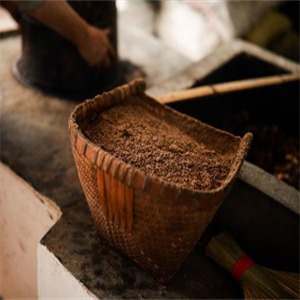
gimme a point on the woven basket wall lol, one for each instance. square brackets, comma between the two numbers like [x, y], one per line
[153, 222]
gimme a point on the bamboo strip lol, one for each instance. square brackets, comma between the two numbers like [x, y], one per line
[290, 77]
[121, 204]
[129, 208]
[226, 87]
[101, 191]
[107, 180]
[114, 199]
[241, 85]
[186, 94]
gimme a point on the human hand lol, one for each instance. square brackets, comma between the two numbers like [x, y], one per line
[92, 42]
[95, 47]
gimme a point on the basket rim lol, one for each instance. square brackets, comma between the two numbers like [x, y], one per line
[103, 159]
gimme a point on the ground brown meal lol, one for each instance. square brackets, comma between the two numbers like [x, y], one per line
[141, 139]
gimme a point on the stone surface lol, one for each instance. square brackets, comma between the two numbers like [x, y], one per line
[55, 281]
[108, 274]
[25, 108]
[157, 60]
[34, 143]
[190, 76]
[267, 229]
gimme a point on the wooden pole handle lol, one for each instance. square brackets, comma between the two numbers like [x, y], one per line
[227, 87]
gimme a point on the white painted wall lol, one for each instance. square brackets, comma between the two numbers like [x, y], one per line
[55, 281]
[25, 217]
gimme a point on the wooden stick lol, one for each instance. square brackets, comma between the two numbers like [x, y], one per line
[227, 87]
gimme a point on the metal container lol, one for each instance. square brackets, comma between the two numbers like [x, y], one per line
[51, 63]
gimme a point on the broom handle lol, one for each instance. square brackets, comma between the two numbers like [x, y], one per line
[227, 87]
[224, 250]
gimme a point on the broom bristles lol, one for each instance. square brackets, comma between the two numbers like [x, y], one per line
[257, 282]
[289, 281]
[251, 291]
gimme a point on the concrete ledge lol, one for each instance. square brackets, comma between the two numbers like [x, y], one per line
[263, 215]
[35, 145]
[26, 216]
[108, 274]
[210, 63]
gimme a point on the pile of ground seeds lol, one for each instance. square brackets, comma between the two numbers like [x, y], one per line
[141, 139]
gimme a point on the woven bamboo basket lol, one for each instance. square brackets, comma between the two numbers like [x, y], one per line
[153, 222]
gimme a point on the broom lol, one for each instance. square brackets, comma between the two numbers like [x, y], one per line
[257, 282]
